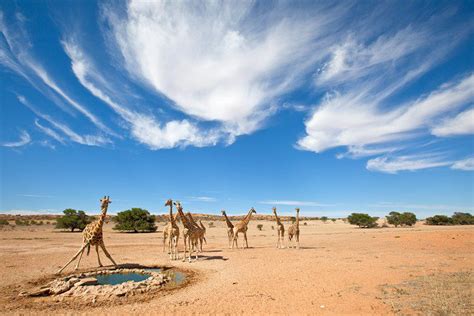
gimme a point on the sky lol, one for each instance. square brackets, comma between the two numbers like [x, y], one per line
[333, 107]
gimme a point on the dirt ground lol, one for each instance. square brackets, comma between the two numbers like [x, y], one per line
[339, 269]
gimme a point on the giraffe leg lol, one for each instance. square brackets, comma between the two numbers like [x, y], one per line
[107, 253]
[73, 258]
[282, 240]
[298, 241]
[79, 261]
[185, 248]
[98, 256]
[246, 242]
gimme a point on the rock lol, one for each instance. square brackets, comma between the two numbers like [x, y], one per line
[39, 292]
[87, 281]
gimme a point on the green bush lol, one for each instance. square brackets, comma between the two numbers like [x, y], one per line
[135, 220]
[403, 219]
[211, 224]
[72, 220]
[462, 219]
[333, 220]
[439, 220]
[458, 218]
[3, 222]
[324, 219]
[362, 220]
[259, 226]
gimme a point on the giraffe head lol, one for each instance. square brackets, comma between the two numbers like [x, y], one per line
[297, 210]
[169, 202]
[274, 210]
[252, 210]
[223, 212]
[178, 205]
[104, 203]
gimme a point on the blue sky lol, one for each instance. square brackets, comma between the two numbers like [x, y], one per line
[350, 106]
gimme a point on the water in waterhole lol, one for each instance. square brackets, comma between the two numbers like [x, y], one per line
[117, 278]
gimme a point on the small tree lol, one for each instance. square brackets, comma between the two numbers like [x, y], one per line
[72, 220]
[333, 220]
[362, 220]
[135, 220]
[324, 219]
[259, 226]
[3, 222]
[404, 219]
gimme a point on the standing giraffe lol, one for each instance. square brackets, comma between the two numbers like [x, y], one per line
[241, 227]
[92, 236]
[280, 230]
[190, 233]
[230, 228]
[200, 230]
[294, 230]
[171, 232]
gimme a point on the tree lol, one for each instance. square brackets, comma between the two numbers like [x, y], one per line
[324, 219]
[73, 219]
[259, 226]
[135, 220]
[362, 220]
[404, 219]
[459, 218]
[439, 220]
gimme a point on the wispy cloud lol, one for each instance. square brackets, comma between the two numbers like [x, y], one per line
[202, 198]
[293, 203]
[25, 139]
[36, 196]
[395, 164]
[461, 124]
[89, 140]
[465, 164]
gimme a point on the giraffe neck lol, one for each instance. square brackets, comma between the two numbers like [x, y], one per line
[171, 213]
[101, 220]
[246, 220]
[228, 222]
[277, 219]
[184, 220]
[298, 219]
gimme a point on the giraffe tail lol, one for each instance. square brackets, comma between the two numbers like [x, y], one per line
[204, 239]
[88, 249]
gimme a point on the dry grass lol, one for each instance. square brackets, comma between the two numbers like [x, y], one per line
[435, 294]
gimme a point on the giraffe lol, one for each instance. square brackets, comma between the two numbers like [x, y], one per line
[280, 230]
[92, 236]
[230, 228]
[294, 230]
[199, 229]
[190, 233]
[171, 232]
[241, 227]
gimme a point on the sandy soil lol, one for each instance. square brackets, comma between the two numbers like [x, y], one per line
[339, 269]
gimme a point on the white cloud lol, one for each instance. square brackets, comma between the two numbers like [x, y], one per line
[405, 163]
[25, 139]
[293, 203]
[48, 131]
[461, 124]
[351, 120]
[465, 164]
[220, 61]
[144, 128]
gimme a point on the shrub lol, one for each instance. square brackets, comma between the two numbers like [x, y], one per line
[135, 220]
[462, 219]
[324, 219]
[362, 220]
[305, 223]
[439, 220]
[259, 226]
[404, 219]
[3, 222]
[20, 222]
[293, 219]
[72, 220]
[333, 220]
[211, 224]
[273, 227]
